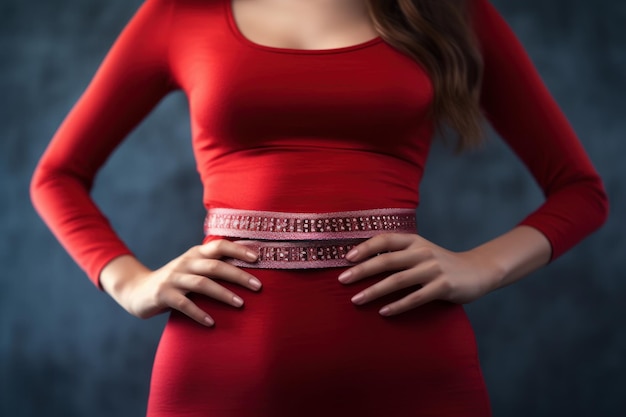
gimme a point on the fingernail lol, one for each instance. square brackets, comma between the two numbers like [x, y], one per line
[344, 276]
[251, 255]
[385, 311]
[255, 283]
[351, 254]
[358, 298]
[209, 321]
[237, 301]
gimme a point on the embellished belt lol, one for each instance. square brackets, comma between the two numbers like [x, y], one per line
[304, 240]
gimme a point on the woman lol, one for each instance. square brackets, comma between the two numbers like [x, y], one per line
[311, 124]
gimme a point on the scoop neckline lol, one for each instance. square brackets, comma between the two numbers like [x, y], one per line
[235, 30]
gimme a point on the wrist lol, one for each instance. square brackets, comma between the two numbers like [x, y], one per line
[512, 255]
[491, 273]
[120, 276]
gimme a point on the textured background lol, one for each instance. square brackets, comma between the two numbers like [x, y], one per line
[551, 345]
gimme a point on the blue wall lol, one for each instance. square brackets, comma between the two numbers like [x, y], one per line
[551, 345]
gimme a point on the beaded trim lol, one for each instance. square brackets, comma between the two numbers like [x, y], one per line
[307, 226]
[297, 255]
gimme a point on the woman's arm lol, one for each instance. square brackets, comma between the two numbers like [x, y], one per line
[521, 109]
[131, 80]
[523, 112]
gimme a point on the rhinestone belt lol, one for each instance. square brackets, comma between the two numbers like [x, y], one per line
[304, 240]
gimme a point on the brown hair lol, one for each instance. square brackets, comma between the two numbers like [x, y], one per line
[438, 35]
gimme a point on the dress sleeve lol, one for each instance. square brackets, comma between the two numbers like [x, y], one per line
[520, 108]
[131, 80]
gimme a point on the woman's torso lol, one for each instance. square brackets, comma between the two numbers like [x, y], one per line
[285, 129]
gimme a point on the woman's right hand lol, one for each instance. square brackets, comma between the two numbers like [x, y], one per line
[145, 293]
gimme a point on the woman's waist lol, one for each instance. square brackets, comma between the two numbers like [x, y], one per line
[287, 240]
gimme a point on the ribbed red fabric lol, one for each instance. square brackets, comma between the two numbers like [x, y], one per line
[300, 348]
[281, 129]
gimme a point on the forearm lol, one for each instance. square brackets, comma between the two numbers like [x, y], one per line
[513, 255]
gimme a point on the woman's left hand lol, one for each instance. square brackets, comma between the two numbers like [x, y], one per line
[458, 277]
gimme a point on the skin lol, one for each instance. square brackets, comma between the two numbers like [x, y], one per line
[459, 277]
[145, 293]
[305, 24]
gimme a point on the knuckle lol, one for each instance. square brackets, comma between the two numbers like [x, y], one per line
[180, 264]
[219, 245]
[213, 267]
[397, 261]
[183, 263]
[209, 248]
[446, 286]
[426, 252]
[196, 283]
[414, 298]
[182, 303]
[386, 237]
[398, 278]
[192, 252]
[434, 268]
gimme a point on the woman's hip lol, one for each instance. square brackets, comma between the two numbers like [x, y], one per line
[301, 337]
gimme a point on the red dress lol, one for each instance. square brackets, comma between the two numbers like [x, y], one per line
[292, 130]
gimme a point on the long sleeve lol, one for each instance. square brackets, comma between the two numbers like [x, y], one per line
[520, 108]
[131, 80]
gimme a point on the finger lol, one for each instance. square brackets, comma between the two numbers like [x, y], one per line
[386, 262]
[179, 302]
[216, 249]
[202, 285]
[376, 265]
[402, 279]
[216, 269]
[426, 294]
[380, 243]
[390, 284]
